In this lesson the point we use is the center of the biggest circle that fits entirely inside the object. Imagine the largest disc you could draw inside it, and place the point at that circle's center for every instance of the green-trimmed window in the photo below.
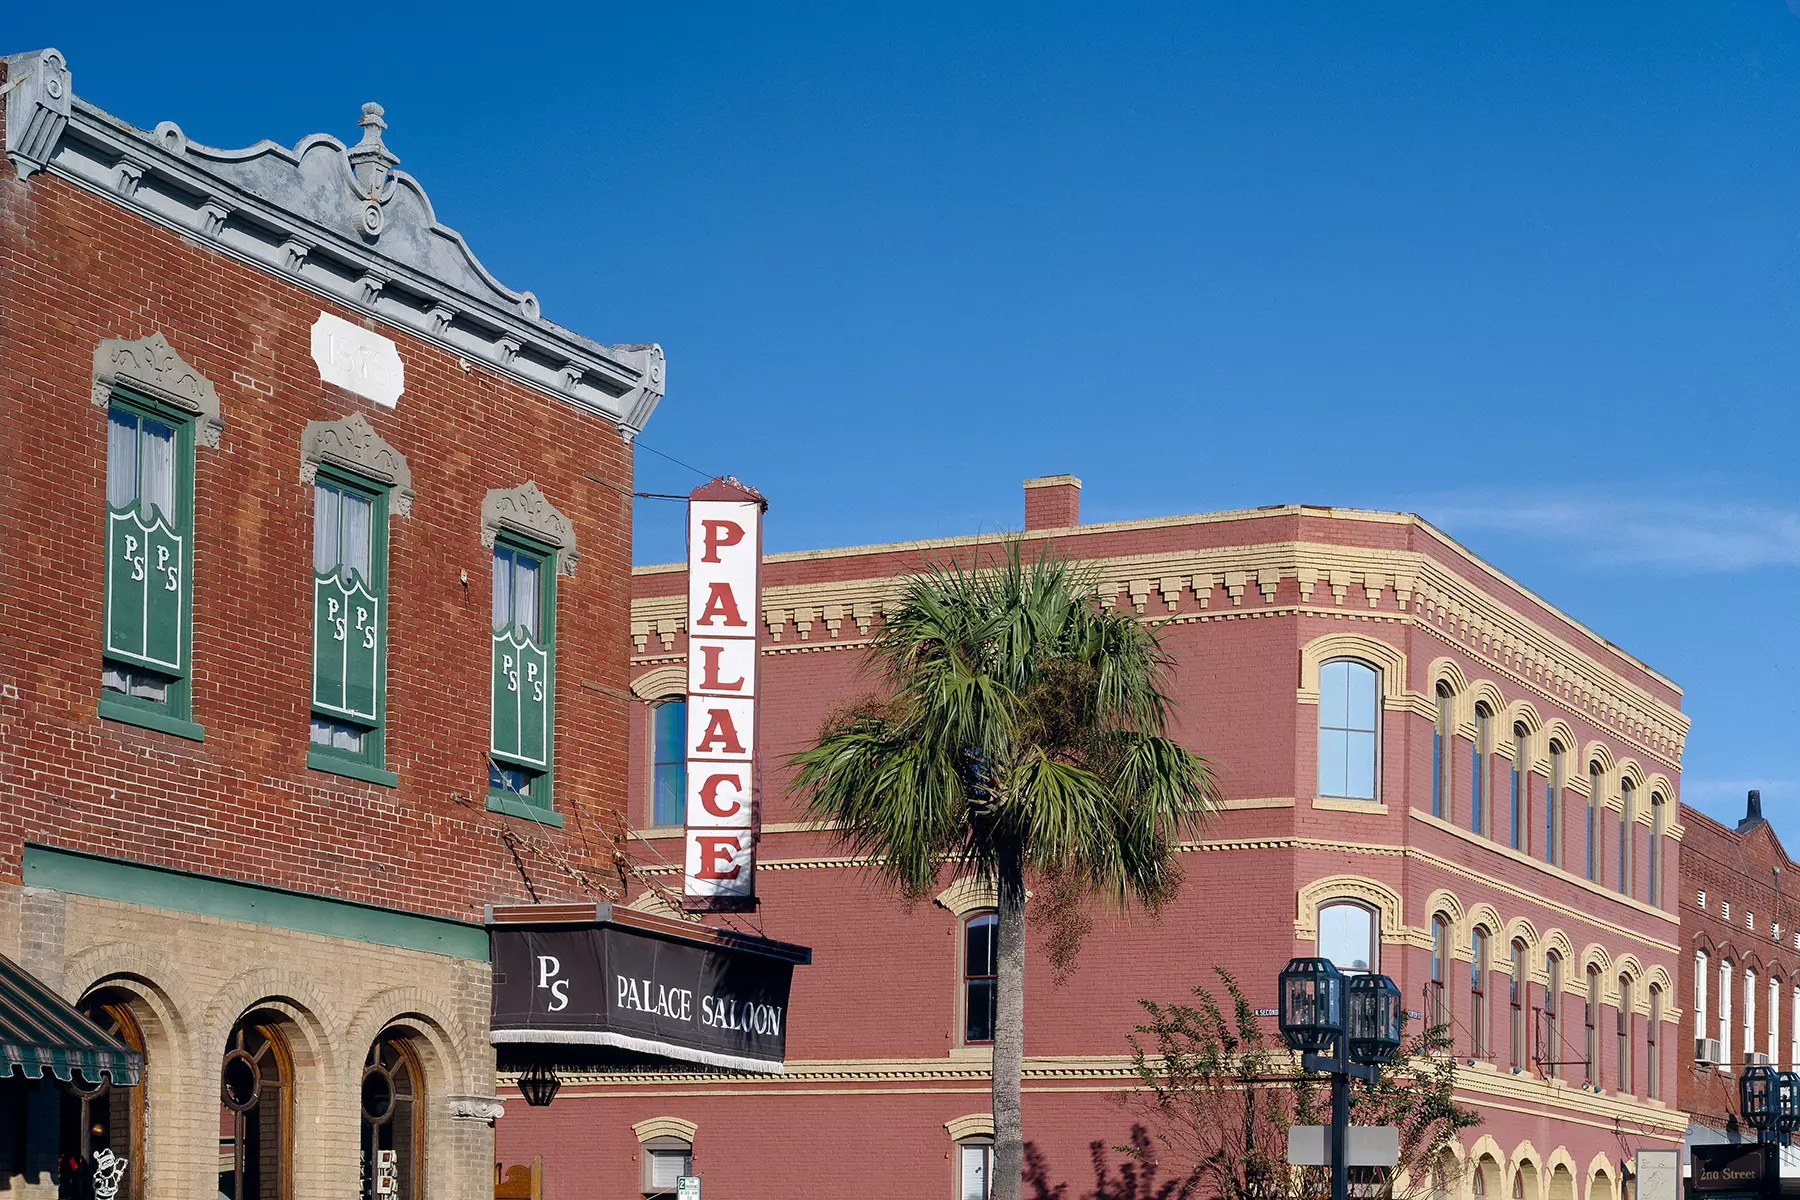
(523, 711)
(148, 624)
(349, 681)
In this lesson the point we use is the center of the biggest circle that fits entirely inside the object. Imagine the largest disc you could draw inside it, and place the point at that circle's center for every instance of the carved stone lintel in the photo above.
(526, 510)
(353, 444)
(475, 1108)
(151, 366)
(38, 95)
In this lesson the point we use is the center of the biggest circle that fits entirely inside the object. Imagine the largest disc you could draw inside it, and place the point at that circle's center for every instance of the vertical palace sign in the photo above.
(724, 605)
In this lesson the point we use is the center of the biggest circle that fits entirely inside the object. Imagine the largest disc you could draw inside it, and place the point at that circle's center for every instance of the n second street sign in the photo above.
(1369, 1146)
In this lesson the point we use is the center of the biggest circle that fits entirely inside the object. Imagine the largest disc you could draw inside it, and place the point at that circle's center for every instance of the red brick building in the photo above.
(291, 485)
(1741, 940)
(1415, 754)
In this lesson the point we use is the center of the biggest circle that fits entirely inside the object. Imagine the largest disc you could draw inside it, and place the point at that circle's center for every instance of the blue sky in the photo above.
(1529, 270)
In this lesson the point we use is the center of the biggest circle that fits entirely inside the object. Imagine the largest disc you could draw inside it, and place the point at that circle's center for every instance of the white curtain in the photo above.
(325, 526)
(502, 588)
(354, 554)
(525, 596)
(121, 459)
(157, 487)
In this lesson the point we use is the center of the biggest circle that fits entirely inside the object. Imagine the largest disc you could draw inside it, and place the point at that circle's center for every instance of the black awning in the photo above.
(597, 975)
(39, 1030)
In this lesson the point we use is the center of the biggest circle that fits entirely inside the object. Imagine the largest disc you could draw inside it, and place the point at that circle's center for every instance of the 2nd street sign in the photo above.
(1369, 1146)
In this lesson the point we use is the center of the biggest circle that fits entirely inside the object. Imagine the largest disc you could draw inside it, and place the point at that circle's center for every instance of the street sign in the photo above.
(1369, 1146)
(1659, 1175)
(687, 1187)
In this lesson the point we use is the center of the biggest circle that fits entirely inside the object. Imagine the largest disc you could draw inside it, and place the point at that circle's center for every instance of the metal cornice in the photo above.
(139, 171)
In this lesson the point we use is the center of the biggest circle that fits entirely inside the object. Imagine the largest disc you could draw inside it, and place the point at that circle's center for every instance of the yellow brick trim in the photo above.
(673, 1127)
(971, 1126)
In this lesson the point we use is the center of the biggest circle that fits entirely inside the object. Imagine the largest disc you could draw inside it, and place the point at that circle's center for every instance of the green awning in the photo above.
(39, 1030)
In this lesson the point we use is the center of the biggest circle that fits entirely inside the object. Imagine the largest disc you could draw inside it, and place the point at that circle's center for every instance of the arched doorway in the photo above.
(103, 1125)
(256, 1111)
(1562, 1183)
(393, 1119)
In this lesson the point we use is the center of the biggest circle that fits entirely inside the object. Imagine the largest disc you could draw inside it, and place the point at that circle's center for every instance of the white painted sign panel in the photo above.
(723, 609)
(1368, 1146)
(1659, 1175)
(358, 360)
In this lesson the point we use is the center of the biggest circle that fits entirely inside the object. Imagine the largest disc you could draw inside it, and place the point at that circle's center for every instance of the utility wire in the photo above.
(690, 466)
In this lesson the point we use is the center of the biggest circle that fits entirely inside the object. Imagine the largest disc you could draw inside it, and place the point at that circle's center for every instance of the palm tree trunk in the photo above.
(1009, 1025)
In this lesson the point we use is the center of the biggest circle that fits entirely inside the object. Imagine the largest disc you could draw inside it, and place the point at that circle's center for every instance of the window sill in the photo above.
(331, 764)
(115, 708)
(512, 806)
(979, 1052)
(1346, 804)
(653, 832)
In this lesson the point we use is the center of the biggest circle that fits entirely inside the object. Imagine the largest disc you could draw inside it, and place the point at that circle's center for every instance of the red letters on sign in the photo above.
(720, 602)
(719, 728)
(709, 794)
(709, 658)
(715, 850)
(718, 535)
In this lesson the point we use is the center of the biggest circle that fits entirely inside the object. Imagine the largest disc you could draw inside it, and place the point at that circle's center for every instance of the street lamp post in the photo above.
(1357, 1021)
(1770, 1102)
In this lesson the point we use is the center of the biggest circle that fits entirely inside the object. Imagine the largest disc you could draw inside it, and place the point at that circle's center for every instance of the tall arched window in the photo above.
(255, 1130)
(1349, 694)
(1552, 1055)
(1347, 937)
(1793, 1058)
(107, 1117)
(1553, 806)
(1627, 804)
(1443, 727)
(1438, 1007)
(1478, 1014)
(668, 786)
(1658, 811)
(1653, 1046)
(1595, 799)
(1520, 772)
(1749, 1012)
(980, 968)
(1479, 751)
(1725, 973)
(1590, 1051)
(1626, 1018)
(393, 1120)
(1702, 966)
(1517, 985)
(1774, 1020)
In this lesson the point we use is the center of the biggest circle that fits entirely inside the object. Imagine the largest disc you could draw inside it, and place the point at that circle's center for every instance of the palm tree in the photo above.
(1021, 732)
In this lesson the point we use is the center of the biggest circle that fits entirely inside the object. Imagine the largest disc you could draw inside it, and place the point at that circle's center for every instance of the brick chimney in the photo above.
(1052, 502)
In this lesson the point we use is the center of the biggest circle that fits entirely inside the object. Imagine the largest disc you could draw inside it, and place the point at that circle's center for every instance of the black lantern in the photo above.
(1758, 1097)
(1787, 1102)
(1312, 1003)
(538, 1085)
(1373, 1018)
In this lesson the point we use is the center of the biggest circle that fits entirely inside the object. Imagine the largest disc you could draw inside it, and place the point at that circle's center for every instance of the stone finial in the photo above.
(1752, 809)
(372, 164)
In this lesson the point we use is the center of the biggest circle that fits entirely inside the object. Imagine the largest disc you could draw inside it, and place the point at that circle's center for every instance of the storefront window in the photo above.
(255, 1083)
(102, 1129)
(393, 1121)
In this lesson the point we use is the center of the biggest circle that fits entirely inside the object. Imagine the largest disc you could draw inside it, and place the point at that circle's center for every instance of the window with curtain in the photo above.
(522, 718)
(1590, 1051)
(1749, 1011)
(1349, 695)
(974, 1159)
(980, 971)
(1625, 1019)
(1552, 1055)
(1725, 973)
(1701, 968)
(1594, 800)
(1653, 1046)
(1478, 969)
(1479, 750)
(144, 674)
(349, 627)
(1553, 806)
(1440, 971)
(1517, 985)
(1627, 812)
(1443, 728)
(668, 773)
(1347, 937)
(1520, 770)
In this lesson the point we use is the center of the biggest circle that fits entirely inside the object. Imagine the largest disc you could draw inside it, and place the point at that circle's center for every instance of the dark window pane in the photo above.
(979, 1027)
(978, 957)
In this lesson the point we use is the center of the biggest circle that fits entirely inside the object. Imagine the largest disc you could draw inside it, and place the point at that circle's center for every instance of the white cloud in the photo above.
(1611, 532)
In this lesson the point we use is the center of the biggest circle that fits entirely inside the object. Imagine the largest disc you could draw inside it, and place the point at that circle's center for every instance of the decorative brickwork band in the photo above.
(151, 366)
(526, 510)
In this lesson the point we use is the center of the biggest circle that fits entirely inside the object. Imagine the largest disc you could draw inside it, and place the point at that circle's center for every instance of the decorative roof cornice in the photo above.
(338, 221)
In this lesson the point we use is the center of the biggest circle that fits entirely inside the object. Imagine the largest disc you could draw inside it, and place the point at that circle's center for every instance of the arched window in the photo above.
(1520, 772)
(668, 790)
(255, 1130)
(393, 1119)
(1553, 806)
(1349, 694)
(1440, 1181)
(1749, 1011)
(1658, 817)
(106, 1117)
(666, 1159)
(1517, 985)
(1347, 937)
(1439, 1008)
(1518, 1185)
(1479, 750)
(1626, 1017)
(1702, 965)
(1653, 1045)
(1793, 1058)
(1627, 791)
(980, 968)
(974, 1161)
(1591, 1045)
(1443, 727)
(1478, 969)
(1725, 973)
(1595, 799)
(1552, 1056)
(1774, 1019)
